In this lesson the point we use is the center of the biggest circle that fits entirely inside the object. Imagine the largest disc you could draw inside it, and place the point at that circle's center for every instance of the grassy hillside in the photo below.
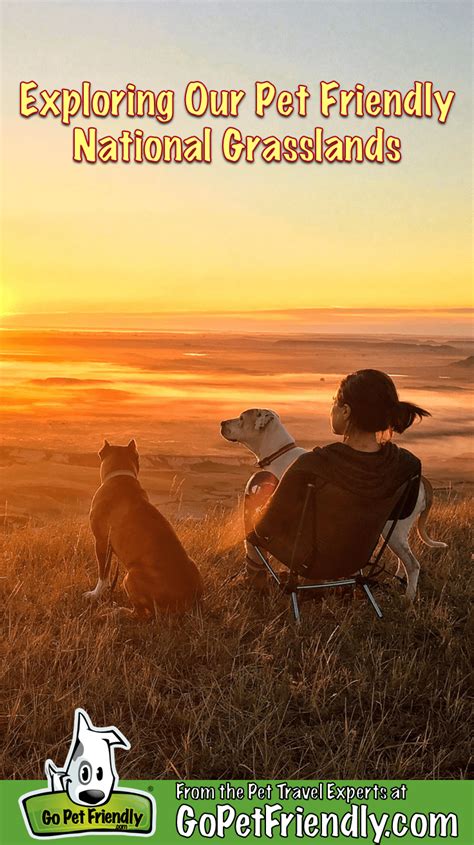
(235, 689)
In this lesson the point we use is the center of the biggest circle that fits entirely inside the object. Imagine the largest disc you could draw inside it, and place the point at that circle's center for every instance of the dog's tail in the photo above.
(422, 519)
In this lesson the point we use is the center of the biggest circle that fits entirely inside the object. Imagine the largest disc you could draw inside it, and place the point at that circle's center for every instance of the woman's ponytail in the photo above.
(373, 399)
(405, 414)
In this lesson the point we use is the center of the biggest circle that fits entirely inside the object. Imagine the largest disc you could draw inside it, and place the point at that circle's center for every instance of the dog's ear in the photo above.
(132, 446)
(263, 418)
(116, 738)
(105, 448)
(83, 723)
(56, 778)
(51, 771)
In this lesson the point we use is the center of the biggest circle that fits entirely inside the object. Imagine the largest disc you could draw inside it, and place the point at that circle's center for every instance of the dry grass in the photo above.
(235, 689)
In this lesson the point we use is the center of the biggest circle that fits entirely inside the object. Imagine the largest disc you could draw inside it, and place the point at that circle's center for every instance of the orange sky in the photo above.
(222, 237)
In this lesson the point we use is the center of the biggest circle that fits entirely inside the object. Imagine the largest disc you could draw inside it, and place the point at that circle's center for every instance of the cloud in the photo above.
(68, 382)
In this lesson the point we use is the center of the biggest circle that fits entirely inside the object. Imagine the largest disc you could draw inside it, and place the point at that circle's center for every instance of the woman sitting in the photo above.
(360, 475)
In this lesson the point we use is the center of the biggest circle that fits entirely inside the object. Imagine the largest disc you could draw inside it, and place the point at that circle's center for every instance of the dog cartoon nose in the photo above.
(91, 796)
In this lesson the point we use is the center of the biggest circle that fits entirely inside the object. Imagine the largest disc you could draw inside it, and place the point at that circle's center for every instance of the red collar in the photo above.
(266, 461)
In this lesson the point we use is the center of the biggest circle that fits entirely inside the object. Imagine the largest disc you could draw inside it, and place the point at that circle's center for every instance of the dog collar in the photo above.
(119, 472)
(265, 461)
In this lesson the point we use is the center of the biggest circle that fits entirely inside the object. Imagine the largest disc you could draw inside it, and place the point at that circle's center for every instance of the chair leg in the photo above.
(267, 565)
(372, 601)
(295, 607)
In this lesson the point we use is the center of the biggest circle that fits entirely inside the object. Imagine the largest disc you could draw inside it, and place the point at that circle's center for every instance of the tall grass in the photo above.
(234, 689)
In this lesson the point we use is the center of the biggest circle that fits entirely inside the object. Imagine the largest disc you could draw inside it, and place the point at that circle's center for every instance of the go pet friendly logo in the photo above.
(83, 797)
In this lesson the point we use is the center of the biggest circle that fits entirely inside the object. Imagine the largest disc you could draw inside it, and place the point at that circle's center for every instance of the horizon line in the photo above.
(247, 312)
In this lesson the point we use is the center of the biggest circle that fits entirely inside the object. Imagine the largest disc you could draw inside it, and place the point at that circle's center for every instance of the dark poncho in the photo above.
(373, 475)
(369, 477)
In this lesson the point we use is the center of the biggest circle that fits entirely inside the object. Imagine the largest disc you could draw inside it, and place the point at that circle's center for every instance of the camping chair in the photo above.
(336, 539)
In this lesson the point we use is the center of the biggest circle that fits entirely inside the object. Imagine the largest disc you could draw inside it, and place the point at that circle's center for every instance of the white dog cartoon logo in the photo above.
(89, 774)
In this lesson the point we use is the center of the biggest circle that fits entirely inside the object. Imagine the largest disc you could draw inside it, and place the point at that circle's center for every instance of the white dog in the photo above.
(89, 773)
(262, 432)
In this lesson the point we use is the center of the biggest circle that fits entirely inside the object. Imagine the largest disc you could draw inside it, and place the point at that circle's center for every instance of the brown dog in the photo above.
(160, 575)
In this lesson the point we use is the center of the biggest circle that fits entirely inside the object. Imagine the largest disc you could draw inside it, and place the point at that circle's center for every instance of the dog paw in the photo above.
(91, 595)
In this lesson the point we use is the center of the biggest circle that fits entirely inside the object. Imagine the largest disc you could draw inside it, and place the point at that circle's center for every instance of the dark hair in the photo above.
(374, 403)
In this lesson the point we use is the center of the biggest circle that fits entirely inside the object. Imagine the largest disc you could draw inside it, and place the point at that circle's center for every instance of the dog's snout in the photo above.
(91, 796)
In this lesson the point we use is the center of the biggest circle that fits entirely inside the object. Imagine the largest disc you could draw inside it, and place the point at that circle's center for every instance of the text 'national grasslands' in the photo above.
(420, 101)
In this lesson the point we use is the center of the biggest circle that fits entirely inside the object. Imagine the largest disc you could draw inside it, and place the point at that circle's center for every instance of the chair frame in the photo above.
(374, 566)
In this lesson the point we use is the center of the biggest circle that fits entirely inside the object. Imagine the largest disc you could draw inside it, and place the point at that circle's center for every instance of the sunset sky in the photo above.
(166, 238)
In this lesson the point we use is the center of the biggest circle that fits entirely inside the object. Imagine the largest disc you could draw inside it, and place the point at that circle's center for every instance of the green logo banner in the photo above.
(50, 815)
(235, 812)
